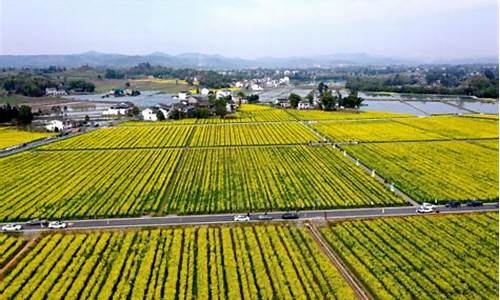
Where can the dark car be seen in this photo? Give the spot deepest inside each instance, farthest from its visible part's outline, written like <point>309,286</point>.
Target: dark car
<point>474,203</point>
<point>453,204</point>
<point>290,216</point>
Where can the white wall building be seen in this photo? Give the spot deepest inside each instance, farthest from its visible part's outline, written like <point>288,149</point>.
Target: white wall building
<point>149,115</point>
<point>304,105</point>
<point>55,125</point>
<point>182,95</point>
<point>222,93</point>
<point>256,87</point>
<point>205,91</point>
<point>53,92</point>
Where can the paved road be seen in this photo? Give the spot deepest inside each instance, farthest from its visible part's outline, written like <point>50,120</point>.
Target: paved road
<point>228,218</point>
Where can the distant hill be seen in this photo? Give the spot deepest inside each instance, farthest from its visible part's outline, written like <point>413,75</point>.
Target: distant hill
<point>204,61</point>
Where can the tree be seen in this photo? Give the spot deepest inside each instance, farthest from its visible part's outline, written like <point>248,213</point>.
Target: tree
<point>253,98</point>
<point>352,101</point>
<point>134,111</point>
<point>160,116</point>
<point>310,97</point>
<point>294,100</point>
<point>25,115</point>
<point>220,107</point>
<point>87,119</point>
<point>328,101</point>
<point>202,113</point>
<point>322,88</point>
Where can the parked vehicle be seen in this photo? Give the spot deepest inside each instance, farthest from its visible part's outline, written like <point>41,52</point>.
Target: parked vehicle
<point>425,208</point>
<point>474,203</point>
<point>12,227</point>
<point>57,225</point>
<point>290,216</point>
<point>241,218</point>
<point>453,204</point>
<point>265,217</point>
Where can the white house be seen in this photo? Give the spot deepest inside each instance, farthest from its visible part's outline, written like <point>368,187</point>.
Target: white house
<point>53,92</point>
<point>283,102</point>
<point>149,115</point>
<point>205,91</point>
<point>304,105</point>
<point>117,110</point>
<point>285,80</point>
<point>182,95</point>
<point>238,84</point>
<point>222,94</point>
<point>256,87</point>
<point>55,125</point>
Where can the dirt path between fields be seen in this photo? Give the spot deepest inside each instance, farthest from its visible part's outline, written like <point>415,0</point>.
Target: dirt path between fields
<point>18,256</point>
<point>356,285</point>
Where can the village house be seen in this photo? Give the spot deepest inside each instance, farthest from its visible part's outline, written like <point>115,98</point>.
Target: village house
<point>304,105</point>
<point>182,95</point>
<point>117,110</point>
<point>151,114</point>
<point>283,102</point>
<point>53,92</point>
<point>205,91</point>
<point>55,125</point>
<point>222,94</point>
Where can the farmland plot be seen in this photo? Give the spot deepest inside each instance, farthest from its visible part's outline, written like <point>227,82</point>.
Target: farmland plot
<point>259,262</point>
<point>298,177</point>
<point>436,257</point>
<point>9,136</point>
<point>436,171</point>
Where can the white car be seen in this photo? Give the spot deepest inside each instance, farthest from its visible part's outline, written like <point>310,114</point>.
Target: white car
<point>12,227</point>
<point>425,208</point>
<point>57,225</point>
<point>241,218</point>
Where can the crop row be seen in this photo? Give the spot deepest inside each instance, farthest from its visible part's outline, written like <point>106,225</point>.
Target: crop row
<point>260,262</point>
<point>252,134</point>
<point>319,115</point>
<point>54,184</point>
<point>436,171</point>
<point>127,137</point>
<point>445,257</point>
<point>299,177</point>
<point>9,245</point>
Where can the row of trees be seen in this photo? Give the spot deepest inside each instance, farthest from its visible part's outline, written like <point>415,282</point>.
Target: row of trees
<point>12,114</point>
<point>34,85</point>
<point>328,99</point>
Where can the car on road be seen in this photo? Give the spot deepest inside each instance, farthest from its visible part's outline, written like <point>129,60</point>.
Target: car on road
<point>241,218</point>
<point>12,227</point>
<point>474,203</point>
<point>57,225</point>
<point>425,208</point>
<point>265,217</point>
<point>290,216</point>
<point>453,204</point>
<point>37,222</point>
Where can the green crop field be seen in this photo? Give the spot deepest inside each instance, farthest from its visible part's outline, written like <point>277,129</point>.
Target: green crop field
<point>9,136</point>
<point>259,262</point>
<point>252,134</point>
<point>127,137</point>
<point>77,184</point>
<point>299,177</point>
<point>436,171</point>
<point>437,257</point>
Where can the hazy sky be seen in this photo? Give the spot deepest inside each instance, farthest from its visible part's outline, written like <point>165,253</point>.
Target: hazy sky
<point>252,28</point>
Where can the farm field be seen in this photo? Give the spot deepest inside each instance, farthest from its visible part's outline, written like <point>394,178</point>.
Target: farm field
<point>436,171</point>
<point>127,137</point>
<point>161,85</point>
<point>240,262</point>
<point>435,257</point>
<point>373,131</point>
<point>252,134</point>
<point>9,245</point>
<point>318,115</point>
<point>271,178</point>
<point>79,184</point>
<point>9,136</point>
<point>456,127</point>
<point>253,113</point>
